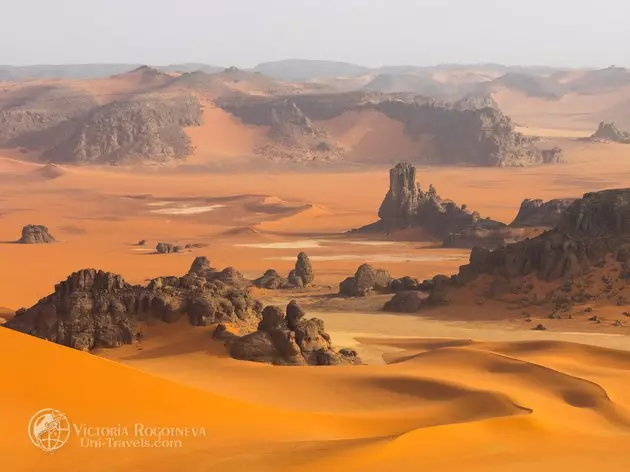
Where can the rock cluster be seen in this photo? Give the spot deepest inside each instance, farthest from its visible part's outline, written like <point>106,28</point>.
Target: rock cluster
<point>35,234</point>
<point>610,132</point>
<point>539,213</point>
<point>93,309</point>
<point>290,339</point>
<point>300,277</point>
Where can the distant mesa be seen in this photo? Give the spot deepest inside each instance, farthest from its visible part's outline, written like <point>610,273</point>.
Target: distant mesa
<point>36,234</point>
<point>608,132</point>
<point>290,339</point>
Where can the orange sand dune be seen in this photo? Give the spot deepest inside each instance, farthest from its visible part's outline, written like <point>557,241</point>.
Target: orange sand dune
<point>371,135</point>
<point>223,136</point>
<point>449,406</point>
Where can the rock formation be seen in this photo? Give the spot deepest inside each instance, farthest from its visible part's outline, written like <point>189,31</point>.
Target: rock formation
<point>406,205</point>
<point>93,309</point>
<point>302,276</point>
<point>479,137</point>
<point>35,234</point>
<point>271,280</point>
<point>290,339</point>
<point>591,240</point>
<point>304,269</point>
<point>541,214</point>
<point>168,248</point>
<point>147,128</point>
<point>610,132</point>
<point>469,132</point>
<point>294,137</point>
<point>366,280</point>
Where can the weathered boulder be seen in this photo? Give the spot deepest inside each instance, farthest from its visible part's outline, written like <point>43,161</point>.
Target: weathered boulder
<point>167,248</point>
<point>405,302</point>
<point>304,269</point>
<point>290,340</point>
<point>540,213</point>
<point>366,280</point>
<point>272,280</point>
<point>35,234</point>
<point>404,284</point>
<point>200,266</point>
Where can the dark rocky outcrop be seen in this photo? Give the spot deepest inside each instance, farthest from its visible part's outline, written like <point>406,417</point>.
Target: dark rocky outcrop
<point>540,213</point>
<point>593,231</point>
<point>406,205</point>
<point>290,340</point>
<point>302,276</point>
<point>610,132</point>
<point>366,280</point>
<point>304,269</point>
<point>168,248</point>
<point>405,302</point>
<point>35,234</point>
<point>271,280</point>
<point>94,309</point>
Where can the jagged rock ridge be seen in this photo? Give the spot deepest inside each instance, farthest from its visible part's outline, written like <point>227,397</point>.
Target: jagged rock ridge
<point>93,309</point>
<point>593,232</point>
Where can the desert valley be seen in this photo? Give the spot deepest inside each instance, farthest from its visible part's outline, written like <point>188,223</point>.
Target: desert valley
<point>322,265</point>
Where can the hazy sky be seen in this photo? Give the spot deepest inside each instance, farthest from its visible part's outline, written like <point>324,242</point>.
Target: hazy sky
<point>369,32</point>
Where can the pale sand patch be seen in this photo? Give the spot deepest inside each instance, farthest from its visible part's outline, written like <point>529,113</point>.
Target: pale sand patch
<point>303,244</point>
<point>378,257</point>
<point>187,210</point>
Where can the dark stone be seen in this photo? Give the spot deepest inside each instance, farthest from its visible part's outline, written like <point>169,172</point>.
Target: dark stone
<point>304,269</point>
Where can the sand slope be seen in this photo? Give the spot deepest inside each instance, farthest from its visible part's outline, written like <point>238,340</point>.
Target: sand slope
<point>510,406</point>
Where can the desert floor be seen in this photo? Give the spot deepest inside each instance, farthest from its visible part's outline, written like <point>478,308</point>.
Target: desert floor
<point>459,388</point>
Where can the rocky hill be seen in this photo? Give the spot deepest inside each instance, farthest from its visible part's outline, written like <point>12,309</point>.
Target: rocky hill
<point>584,259</point>
<point>610,133</point>
<point>446,134</point>
<point>149,128</point>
